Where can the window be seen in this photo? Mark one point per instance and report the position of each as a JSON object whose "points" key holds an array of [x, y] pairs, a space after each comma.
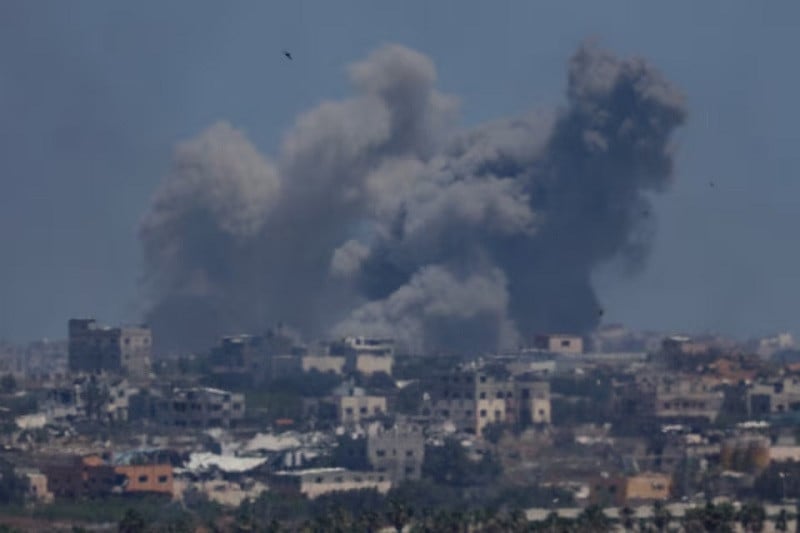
{"points": [[483, 413], [143, 479], [237, 406], [565, 344], [497, 414], [318, 480], [483, 396], [162, 479], [409, 453], [409, 470], [381, 453], [526, 393], [499, 395], [348, 410], [483, 379], [445, 412], [363, 410], [338, 479]]}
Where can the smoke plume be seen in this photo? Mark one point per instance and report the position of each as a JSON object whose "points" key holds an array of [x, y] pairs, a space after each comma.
{"points": [[380, 216]]}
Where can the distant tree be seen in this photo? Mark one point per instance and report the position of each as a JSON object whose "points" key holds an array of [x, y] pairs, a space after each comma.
{"points": [[380, 381], [494, 432], [661, 516], [8, 383], [450, 465], [711, 518], [12, 487], [593, 519], [399, 515], [752, 516], [132, 522], [626, 515], [782, 521]]}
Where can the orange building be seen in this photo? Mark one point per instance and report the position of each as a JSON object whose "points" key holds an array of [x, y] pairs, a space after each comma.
{"points": [[155, 478]]}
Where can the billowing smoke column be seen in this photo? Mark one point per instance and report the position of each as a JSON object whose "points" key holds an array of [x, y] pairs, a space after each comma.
{"points": [[380, 217]]}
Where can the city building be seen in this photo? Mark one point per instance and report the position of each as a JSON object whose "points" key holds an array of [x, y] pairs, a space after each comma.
{"points": [[94, 348], [774, 397], [559, 343], [354, 405], [398, 451], [316, 482], [474, 398], [684, 397], [200, 407], [365, 354]]}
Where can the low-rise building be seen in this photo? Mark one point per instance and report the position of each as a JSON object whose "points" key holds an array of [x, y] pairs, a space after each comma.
{"points": [[398, 451], [559, 343], [640, 488], [201, 407], [354, 405], [324, 363], [366, 355], [774, 397], [316, 482]]}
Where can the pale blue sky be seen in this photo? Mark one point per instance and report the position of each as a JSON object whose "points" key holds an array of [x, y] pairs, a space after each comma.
{"points": [[94, 94]]}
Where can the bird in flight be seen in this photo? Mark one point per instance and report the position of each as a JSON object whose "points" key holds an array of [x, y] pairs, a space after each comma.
{"points": [[288, 55]]}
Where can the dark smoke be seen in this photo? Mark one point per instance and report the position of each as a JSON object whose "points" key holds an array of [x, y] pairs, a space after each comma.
{"points": [[380, 217]]}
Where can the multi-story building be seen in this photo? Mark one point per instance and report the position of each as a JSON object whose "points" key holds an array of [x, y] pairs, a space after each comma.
{"points": [[354, 405], [774, 397], [398, 451], [200, 407], [683, 397], [95, 348], [474, 398]]}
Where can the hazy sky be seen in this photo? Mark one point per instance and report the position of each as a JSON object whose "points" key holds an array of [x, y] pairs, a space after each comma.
{"points": [[94, 95]]}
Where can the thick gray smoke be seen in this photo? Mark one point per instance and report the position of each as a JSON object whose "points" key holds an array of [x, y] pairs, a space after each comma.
{"points": [[379, 216]]}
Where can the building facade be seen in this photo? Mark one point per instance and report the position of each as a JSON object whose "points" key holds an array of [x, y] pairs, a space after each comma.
{"points": [[398, 451], [94, 348], [474, 399], [316, 482], [201, 407]]}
